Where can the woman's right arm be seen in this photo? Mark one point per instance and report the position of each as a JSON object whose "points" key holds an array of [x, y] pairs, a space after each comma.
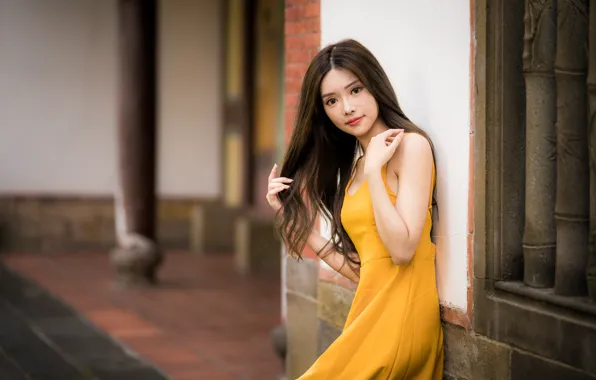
{"points": [[315, 241], [329, 255]]}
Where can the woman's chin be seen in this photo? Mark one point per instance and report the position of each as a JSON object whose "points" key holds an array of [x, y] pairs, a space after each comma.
{"points": [[357, 131]]}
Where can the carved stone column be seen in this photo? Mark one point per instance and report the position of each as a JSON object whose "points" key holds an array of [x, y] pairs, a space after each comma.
{"points": [[592, 149], [572, 205], [137, 255], [539, 56]]}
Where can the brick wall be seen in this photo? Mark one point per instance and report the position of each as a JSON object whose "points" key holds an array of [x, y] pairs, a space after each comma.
{"points": [[302, 42]]}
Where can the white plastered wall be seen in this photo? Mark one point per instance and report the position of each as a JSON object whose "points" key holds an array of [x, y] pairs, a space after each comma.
{"points": [[424, 46]]}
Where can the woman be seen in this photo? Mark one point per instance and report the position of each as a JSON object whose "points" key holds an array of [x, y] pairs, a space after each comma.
{"points": [[380, 210]]}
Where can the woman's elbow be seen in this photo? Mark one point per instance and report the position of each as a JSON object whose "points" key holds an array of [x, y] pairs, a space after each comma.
{"points": [[401, 260], [403, 256]]}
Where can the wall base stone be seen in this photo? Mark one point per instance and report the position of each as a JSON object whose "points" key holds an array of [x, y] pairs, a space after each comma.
{"points": [[59, 224]]}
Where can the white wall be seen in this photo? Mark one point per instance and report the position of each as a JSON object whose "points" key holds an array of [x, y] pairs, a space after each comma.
{"points": [[424, 46], [58, 97], [189, 150]]}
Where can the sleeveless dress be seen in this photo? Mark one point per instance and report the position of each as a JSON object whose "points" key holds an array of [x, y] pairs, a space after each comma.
{"points": [[393, 329]]}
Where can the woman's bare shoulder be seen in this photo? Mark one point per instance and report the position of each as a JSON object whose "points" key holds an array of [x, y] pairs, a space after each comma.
{"points": [[413, 147]]}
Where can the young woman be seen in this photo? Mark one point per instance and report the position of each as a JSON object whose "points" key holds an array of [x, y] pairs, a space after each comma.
{"points": [[357, 159]]}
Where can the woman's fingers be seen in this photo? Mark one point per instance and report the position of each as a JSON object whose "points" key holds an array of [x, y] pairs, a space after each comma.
{"points": [[398, 134], [273, 185], [392, 132], [273, 173], [280, 180], [277, 190], [276, 185]]}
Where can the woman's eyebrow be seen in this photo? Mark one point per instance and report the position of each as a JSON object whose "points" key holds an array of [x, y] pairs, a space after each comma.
{"points": [[348, 85]]}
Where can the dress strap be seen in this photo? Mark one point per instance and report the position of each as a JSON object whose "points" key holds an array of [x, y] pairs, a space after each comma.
{"points": [[353, 172], [432, 186]]}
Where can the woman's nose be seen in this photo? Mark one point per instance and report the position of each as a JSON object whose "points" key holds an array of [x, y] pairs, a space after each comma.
{"points": [[348, 109]]}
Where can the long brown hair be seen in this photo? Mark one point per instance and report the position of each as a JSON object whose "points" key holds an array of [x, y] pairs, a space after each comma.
{"points": [[320, 157]]}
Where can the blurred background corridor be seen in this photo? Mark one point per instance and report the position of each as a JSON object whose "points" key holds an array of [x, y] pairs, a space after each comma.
{"points": [[136, 137]]}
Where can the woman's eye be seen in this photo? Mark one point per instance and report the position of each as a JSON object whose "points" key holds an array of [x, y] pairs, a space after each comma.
{"points": [[356, 90], [331, 102]]}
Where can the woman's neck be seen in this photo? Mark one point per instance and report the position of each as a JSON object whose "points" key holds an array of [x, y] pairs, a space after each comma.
{"points": [[378, 127]]}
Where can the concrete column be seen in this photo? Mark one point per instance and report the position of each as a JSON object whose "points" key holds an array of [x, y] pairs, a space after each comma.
{"points": [[592, 150], [538, 59], [137, 255], [572, 203]]}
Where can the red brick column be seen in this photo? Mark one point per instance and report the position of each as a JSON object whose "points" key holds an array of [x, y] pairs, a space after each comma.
{"points": [[302, 42]]}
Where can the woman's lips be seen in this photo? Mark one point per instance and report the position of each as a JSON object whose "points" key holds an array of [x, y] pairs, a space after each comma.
{"points": [[355, 121]]}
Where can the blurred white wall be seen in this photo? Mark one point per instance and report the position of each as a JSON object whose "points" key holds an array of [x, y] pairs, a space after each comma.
{"points": [[58, 87]]}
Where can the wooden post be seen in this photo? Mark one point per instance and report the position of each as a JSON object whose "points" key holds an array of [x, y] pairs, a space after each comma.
{"points": [[137, 255]]}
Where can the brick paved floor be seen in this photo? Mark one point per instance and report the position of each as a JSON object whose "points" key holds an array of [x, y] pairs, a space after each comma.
{"points": [[204, 321]]}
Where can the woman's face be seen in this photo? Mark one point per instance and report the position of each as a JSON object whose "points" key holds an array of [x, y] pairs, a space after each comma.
{"points": [[347, 103]]}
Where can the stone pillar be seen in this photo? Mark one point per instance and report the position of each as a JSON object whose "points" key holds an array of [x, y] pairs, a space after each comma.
{"points": [[137, 255], [538, 59], [592, 149], [572, 203]]}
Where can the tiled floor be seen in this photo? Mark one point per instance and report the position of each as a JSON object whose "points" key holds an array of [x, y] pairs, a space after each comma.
{"points": [[41, 338], [204, 321]]}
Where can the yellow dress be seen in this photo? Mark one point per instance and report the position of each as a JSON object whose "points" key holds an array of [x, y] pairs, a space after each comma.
{"points": [[393, 329]]}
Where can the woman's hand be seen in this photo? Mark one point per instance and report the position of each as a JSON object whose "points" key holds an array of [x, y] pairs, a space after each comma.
{"points": [[380, 149], [276, 185]]}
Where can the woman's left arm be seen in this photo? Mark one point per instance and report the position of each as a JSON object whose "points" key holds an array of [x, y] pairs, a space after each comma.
{"points": [[400, 226]]}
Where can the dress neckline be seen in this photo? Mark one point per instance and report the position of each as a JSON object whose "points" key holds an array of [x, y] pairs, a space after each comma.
{"points": [[365, 183]]}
